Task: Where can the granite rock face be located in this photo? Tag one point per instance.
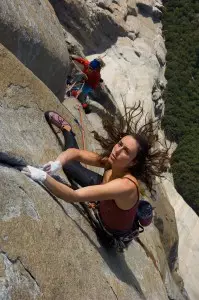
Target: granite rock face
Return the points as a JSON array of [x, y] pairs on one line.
[[130, 42], [135, 67], [48, 249], [32, 32], [188, 229]]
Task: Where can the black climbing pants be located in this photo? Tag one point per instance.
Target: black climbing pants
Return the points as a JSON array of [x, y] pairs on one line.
[[74, 169]]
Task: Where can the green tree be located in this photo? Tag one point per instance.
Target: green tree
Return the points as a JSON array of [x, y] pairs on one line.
[[181, 120]]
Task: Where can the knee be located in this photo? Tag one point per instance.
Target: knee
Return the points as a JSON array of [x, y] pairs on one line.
[[69, 167]]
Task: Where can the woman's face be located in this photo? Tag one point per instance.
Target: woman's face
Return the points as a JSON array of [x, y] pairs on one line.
[[124, 152]]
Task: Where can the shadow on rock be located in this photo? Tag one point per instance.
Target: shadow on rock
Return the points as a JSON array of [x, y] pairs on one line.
[[99, 111], [117, 264], [147, 12], [97, 26], [102, 111], [104, 98], [115, 261]]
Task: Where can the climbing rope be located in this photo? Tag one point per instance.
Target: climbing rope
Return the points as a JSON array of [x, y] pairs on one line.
[[81, 125]]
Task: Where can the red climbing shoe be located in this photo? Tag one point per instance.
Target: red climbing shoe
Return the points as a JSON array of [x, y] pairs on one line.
[[54, 118]]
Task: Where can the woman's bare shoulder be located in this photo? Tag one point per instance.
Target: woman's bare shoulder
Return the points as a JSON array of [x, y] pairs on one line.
[[132, 197], [132, 179]]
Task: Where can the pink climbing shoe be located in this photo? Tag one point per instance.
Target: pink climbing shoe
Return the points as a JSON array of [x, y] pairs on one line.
[[54, 118]]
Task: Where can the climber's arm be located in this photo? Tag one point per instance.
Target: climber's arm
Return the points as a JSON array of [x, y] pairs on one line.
[[117, 189], [80, 60], [83, 156]]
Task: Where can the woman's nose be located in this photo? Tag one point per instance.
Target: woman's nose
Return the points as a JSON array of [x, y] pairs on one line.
[[118, 150]]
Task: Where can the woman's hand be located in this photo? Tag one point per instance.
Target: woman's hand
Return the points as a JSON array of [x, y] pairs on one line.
[[52, 167], [83, 156], [34, 173]]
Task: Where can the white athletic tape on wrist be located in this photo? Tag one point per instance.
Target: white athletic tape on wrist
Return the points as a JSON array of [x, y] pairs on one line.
[[37, 174], [54, 166]]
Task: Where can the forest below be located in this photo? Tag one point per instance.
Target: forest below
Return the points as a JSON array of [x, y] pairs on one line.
[[181, 120]]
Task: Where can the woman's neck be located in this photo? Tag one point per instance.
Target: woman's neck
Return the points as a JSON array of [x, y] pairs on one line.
[[118, 173]]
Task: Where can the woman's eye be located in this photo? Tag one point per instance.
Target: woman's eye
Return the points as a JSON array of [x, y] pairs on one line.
[[120, 144]]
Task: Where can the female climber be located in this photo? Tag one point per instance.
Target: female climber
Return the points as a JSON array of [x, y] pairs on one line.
[[130, 155]]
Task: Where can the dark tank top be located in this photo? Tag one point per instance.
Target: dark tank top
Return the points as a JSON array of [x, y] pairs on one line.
[[115, 218]]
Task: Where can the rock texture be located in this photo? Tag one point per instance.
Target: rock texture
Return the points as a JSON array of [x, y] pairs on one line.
[[130, 42], [135, 66], [48, 250], [100, 27], [32, 32], [166, 224], [188, 228]]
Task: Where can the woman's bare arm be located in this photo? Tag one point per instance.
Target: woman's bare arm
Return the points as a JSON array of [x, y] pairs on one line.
[[117, 189], [83, 156]]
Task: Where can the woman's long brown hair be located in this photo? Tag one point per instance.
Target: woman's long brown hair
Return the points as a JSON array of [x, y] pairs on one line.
[[153, 155]]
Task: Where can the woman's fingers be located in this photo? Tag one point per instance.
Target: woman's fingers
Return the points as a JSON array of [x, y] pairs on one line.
[[25, 170], [47, 167], [35, 173], [52, 167], [26, 173]]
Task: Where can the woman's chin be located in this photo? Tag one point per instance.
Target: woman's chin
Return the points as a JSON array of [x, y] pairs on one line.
[[110, 160]]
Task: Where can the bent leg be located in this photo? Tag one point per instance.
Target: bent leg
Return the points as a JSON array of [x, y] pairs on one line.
[[70, 140], [81, 175], [74, 169]]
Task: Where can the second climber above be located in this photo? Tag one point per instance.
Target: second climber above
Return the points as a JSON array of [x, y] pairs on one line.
[[92, 79]]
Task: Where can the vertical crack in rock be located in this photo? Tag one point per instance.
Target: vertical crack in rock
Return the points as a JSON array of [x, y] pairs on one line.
[[150, 255], [112, 290], [28, 271], [18, 277], [29, 206]]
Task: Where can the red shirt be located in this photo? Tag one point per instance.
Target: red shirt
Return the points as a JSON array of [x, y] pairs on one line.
[[93, 75]]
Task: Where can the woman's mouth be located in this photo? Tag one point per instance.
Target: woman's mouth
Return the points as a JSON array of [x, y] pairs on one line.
[[113, 156]]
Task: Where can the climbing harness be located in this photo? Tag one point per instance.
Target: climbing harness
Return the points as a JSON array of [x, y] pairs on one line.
[[77, 88], [78, 84], [116, 239]]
